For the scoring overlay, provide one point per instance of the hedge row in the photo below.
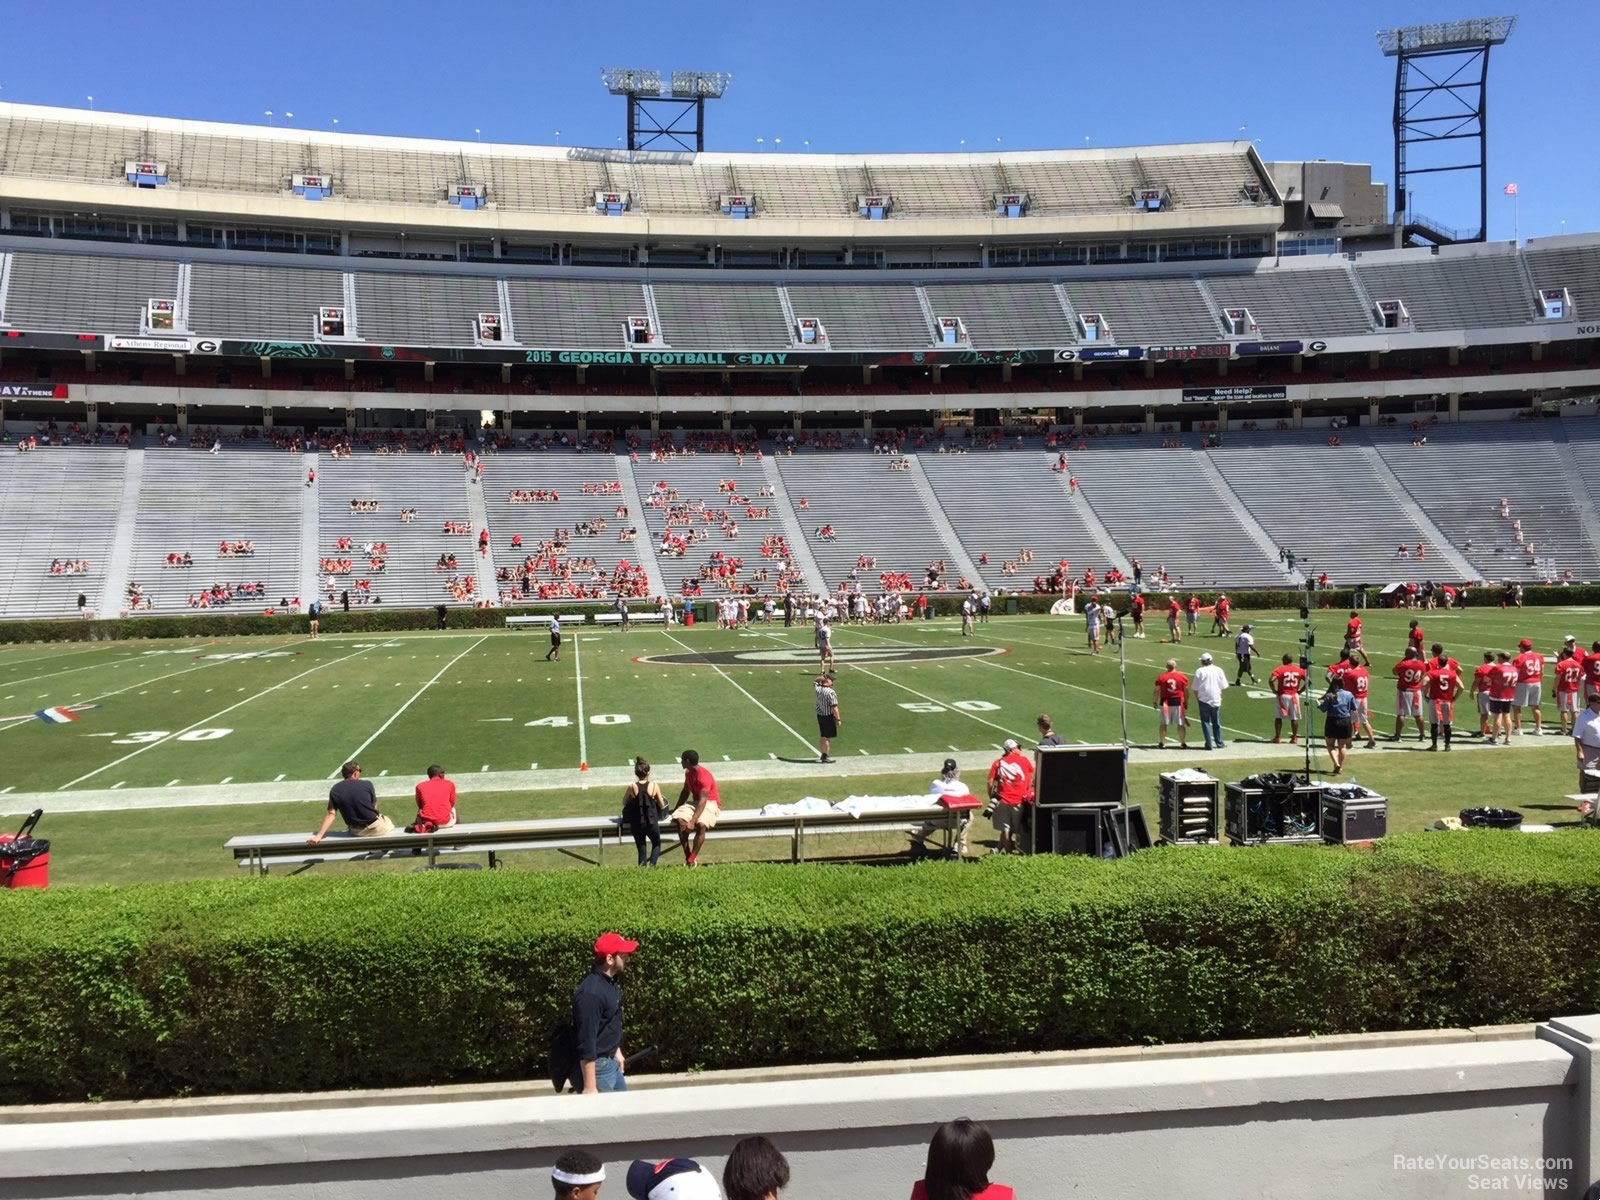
(371, 620)
(377, 981)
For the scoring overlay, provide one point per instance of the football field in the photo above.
(159, 726)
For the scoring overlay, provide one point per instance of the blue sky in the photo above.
(1307, 81)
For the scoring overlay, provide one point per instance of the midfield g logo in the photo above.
(805, 656)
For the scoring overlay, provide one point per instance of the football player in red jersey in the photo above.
(1414, 637)
(1410, 674)
(1569, 689)
(1172, 702)
(1287, 682)
(1352, 640)
(1444, 685)
(1173, 612)
(1482, 686)
(1530, 686)
(1502, 696)
(1358, 682)
(1591, 670)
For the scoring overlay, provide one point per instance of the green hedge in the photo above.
(375, 981)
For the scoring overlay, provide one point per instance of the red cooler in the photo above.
(25, 859)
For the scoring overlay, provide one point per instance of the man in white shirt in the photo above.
(1244, 645)
(948, 784)
(1210, 681)
(1586, 735)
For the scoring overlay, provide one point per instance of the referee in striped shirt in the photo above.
(827, 714)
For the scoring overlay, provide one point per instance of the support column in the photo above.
(1077, 420)
(1222, 417)
(266, 368)
(1149, 420)
(1149, 369)
(91, 416)
(866, 425)
(1222, 367)
(655, 425)
(505, 372)
(1455, 356)
(180, 364)
(1538, 351)
(349, 370)
(937, 375)
(1297, 416)
(427, 372)
(266, 416)
(350, 420)
(1005, 372)
(1455, 406)
(727, 422)
(183, 419)
(1372, 411)
(430, 421)
(1297, 365)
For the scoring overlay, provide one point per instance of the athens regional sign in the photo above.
(806, 656)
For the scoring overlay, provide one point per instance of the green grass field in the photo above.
(189, 743)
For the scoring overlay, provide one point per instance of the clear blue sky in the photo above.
(1308, 81)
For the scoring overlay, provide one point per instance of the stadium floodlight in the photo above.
(670, 116)
(687, 85)
(1446, 35)
(1441, 114)
(632, 81)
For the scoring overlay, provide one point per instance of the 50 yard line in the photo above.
(583, 735)
(401, 710)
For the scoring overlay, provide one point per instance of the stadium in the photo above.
(307, 437)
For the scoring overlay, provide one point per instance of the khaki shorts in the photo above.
(684, 815)
(382, 827)
(1007, 817)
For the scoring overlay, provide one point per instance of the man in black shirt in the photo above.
(354, 799)
(1047, 732)
(597, 1016)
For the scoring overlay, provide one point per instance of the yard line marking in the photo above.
(908, 749)
(172, 783)
(385, 771)
(485, 767)
(3, 791)
(417, 695)
(114, 786)
(226, 779)
(798, 735)
(770, 754)
(533, 766)
(862, 752)
(205, 721)
(727, 758)
(583, 735)
(279, 779)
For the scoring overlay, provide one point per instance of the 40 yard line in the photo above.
(583, 736)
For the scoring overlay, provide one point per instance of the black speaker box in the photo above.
(1064, 775)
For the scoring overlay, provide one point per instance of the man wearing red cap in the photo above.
(1530, 685)
(597, 1016)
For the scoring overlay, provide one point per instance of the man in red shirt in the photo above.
(1336, 673)
(1414, 638)
(1172, 702)
(1287, 682)
(698, 807)
(1569, 688)
(1591, 670)
(1011, 785)
(1410, 674)
(1444, 685)
(1482, 686)
(1192, 611)
(1502, 696)
(436, 802)
(1173, 612)
(1220, 624)
(1138, 614)
(1530, 686)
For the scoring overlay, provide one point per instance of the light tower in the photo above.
(674, 113)
(1441, 108)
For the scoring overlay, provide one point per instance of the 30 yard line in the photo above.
(204, 721)
(401, 710)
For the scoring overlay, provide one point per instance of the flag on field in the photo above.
(1511, 189)
(59, 715)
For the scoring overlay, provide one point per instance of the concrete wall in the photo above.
(1447, 1114)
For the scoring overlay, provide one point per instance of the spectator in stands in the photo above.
(755, 1170)
(577, 1175)
(597, 1017)
(436, 802)
(642, 807)
(698, 807)
(674, 1179)
(354, 799)
(960, 1157)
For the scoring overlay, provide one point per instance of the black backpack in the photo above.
(563, 1056)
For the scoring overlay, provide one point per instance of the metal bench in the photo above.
(260, 852)
(641, 618)
(542, 620)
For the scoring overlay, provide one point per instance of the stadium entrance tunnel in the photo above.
(806, 655)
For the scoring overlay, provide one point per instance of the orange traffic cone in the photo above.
(583, 767)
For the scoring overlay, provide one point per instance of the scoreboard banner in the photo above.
(1226, 395)
(34, 391)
